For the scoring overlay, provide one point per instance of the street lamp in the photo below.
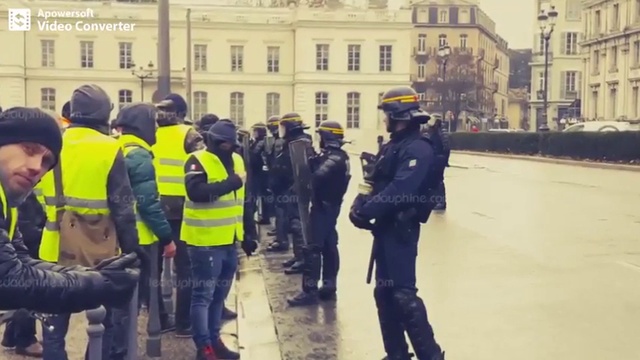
(142, 74)
(547, 22)
(443, 53)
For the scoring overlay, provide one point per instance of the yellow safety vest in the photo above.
(169, 159)
(220, 222)
(9, 211)
(86, 160)
(145, 234)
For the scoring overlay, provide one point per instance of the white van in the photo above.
(597, 126)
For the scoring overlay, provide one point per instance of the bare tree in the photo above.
(458, 89)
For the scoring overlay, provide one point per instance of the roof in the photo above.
(448, 2)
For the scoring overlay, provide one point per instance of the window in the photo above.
(125, 97)
(273, 60)
(570, 43)
(443, 16)
(322, 57)
(615, 17)
(86, 54)
(636, 52)
(594, 103)
(353, 110)
(596, 62)
(386, 57)
(613, 103)
(200, 104)
(353, 58)
(236, 110)
(635, 102)
(442, 40)
(422, 42)
(273, 104)
(541, 80)
(541, 44)
(598, 22)
(570, 81)
(613, 59)
(322, 107)
(237, 58)
(637, 13)
(126, 59)
(48, 99)
(573, 10)
(422, 70)
(463, 41)
(48, 53)
(199, 57)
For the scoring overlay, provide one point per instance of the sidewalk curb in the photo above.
(548, 160)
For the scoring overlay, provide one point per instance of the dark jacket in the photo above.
(31, 221)
(138, 120)
(331, 176)
(173, 205)
(42, 286)
(120, 198)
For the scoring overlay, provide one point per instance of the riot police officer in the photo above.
(259, 172)
(268, 157)
(291, 128)
(331, 175)
(441, 151)
(402, 172)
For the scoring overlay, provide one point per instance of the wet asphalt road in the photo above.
(531, 261)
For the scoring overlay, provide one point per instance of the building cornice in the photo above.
(628, 31)
(586, 4)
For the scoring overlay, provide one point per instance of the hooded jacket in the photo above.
(90, 108)
(139, 121)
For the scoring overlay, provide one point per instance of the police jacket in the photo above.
(281, 179)
(401, 177)
(41, 286)
(441, 149)
(331, 175)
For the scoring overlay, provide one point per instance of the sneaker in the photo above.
(228, 314)
(167, 325)
(223, 353)
(184, 333)
(206, 353)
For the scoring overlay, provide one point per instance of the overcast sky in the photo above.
(514, 20)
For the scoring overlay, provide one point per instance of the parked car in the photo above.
(597, 126)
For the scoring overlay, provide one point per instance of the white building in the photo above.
(248, 63)
(612, 48)
(565, 64)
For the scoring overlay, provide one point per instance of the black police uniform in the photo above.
(330, 180)
(402, 173)
(248, 222)
(442, 151)
(287, 213)
(259, 173)
(268, 157)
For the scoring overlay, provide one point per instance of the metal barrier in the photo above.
(95, 330)
(167, 285)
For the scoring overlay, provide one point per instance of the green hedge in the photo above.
(623, 146)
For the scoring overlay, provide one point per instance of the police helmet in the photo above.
(331, 133)
(259, 129)
(272, 124)
(401, 104)
(292, 121)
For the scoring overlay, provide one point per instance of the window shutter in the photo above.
(563, 84)
(578, 84)
(563, 43)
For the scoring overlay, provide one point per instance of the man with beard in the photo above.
(138, 127)
(30, 145)
(212, 225)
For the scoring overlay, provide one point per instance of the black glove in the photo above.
(120, 278)
(249, 246)
(360, 222)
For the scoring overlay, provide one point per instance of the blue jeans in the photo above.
(212, 272)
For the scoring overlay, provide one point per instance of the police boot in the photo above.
(296, 268)
(289, 263)
(392, 332)
(278, 247)
(400, 357)
(328, 290)
(304, 299)
(413, 315)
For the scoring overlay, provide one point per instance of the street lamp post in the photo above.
(547, 22)
(443, 53)
(142, 74)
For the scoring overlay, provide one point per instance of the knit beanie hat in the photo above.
(31, 125)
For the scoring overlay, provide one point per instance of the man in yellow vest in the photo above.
(137, 124)
(91, 213)
(212, 224)
(30, 145)
(175, 140)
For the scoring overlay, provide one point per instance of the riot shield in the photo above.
(269, 141)
(299, 151)
(246, 155)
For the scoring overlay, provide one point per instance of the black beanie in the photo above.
(22, 125)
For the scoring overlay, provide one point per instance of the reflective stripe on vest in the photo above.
(11, 212)
(86, 160)
(220, 222)
(145, 234)
(169, 159)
